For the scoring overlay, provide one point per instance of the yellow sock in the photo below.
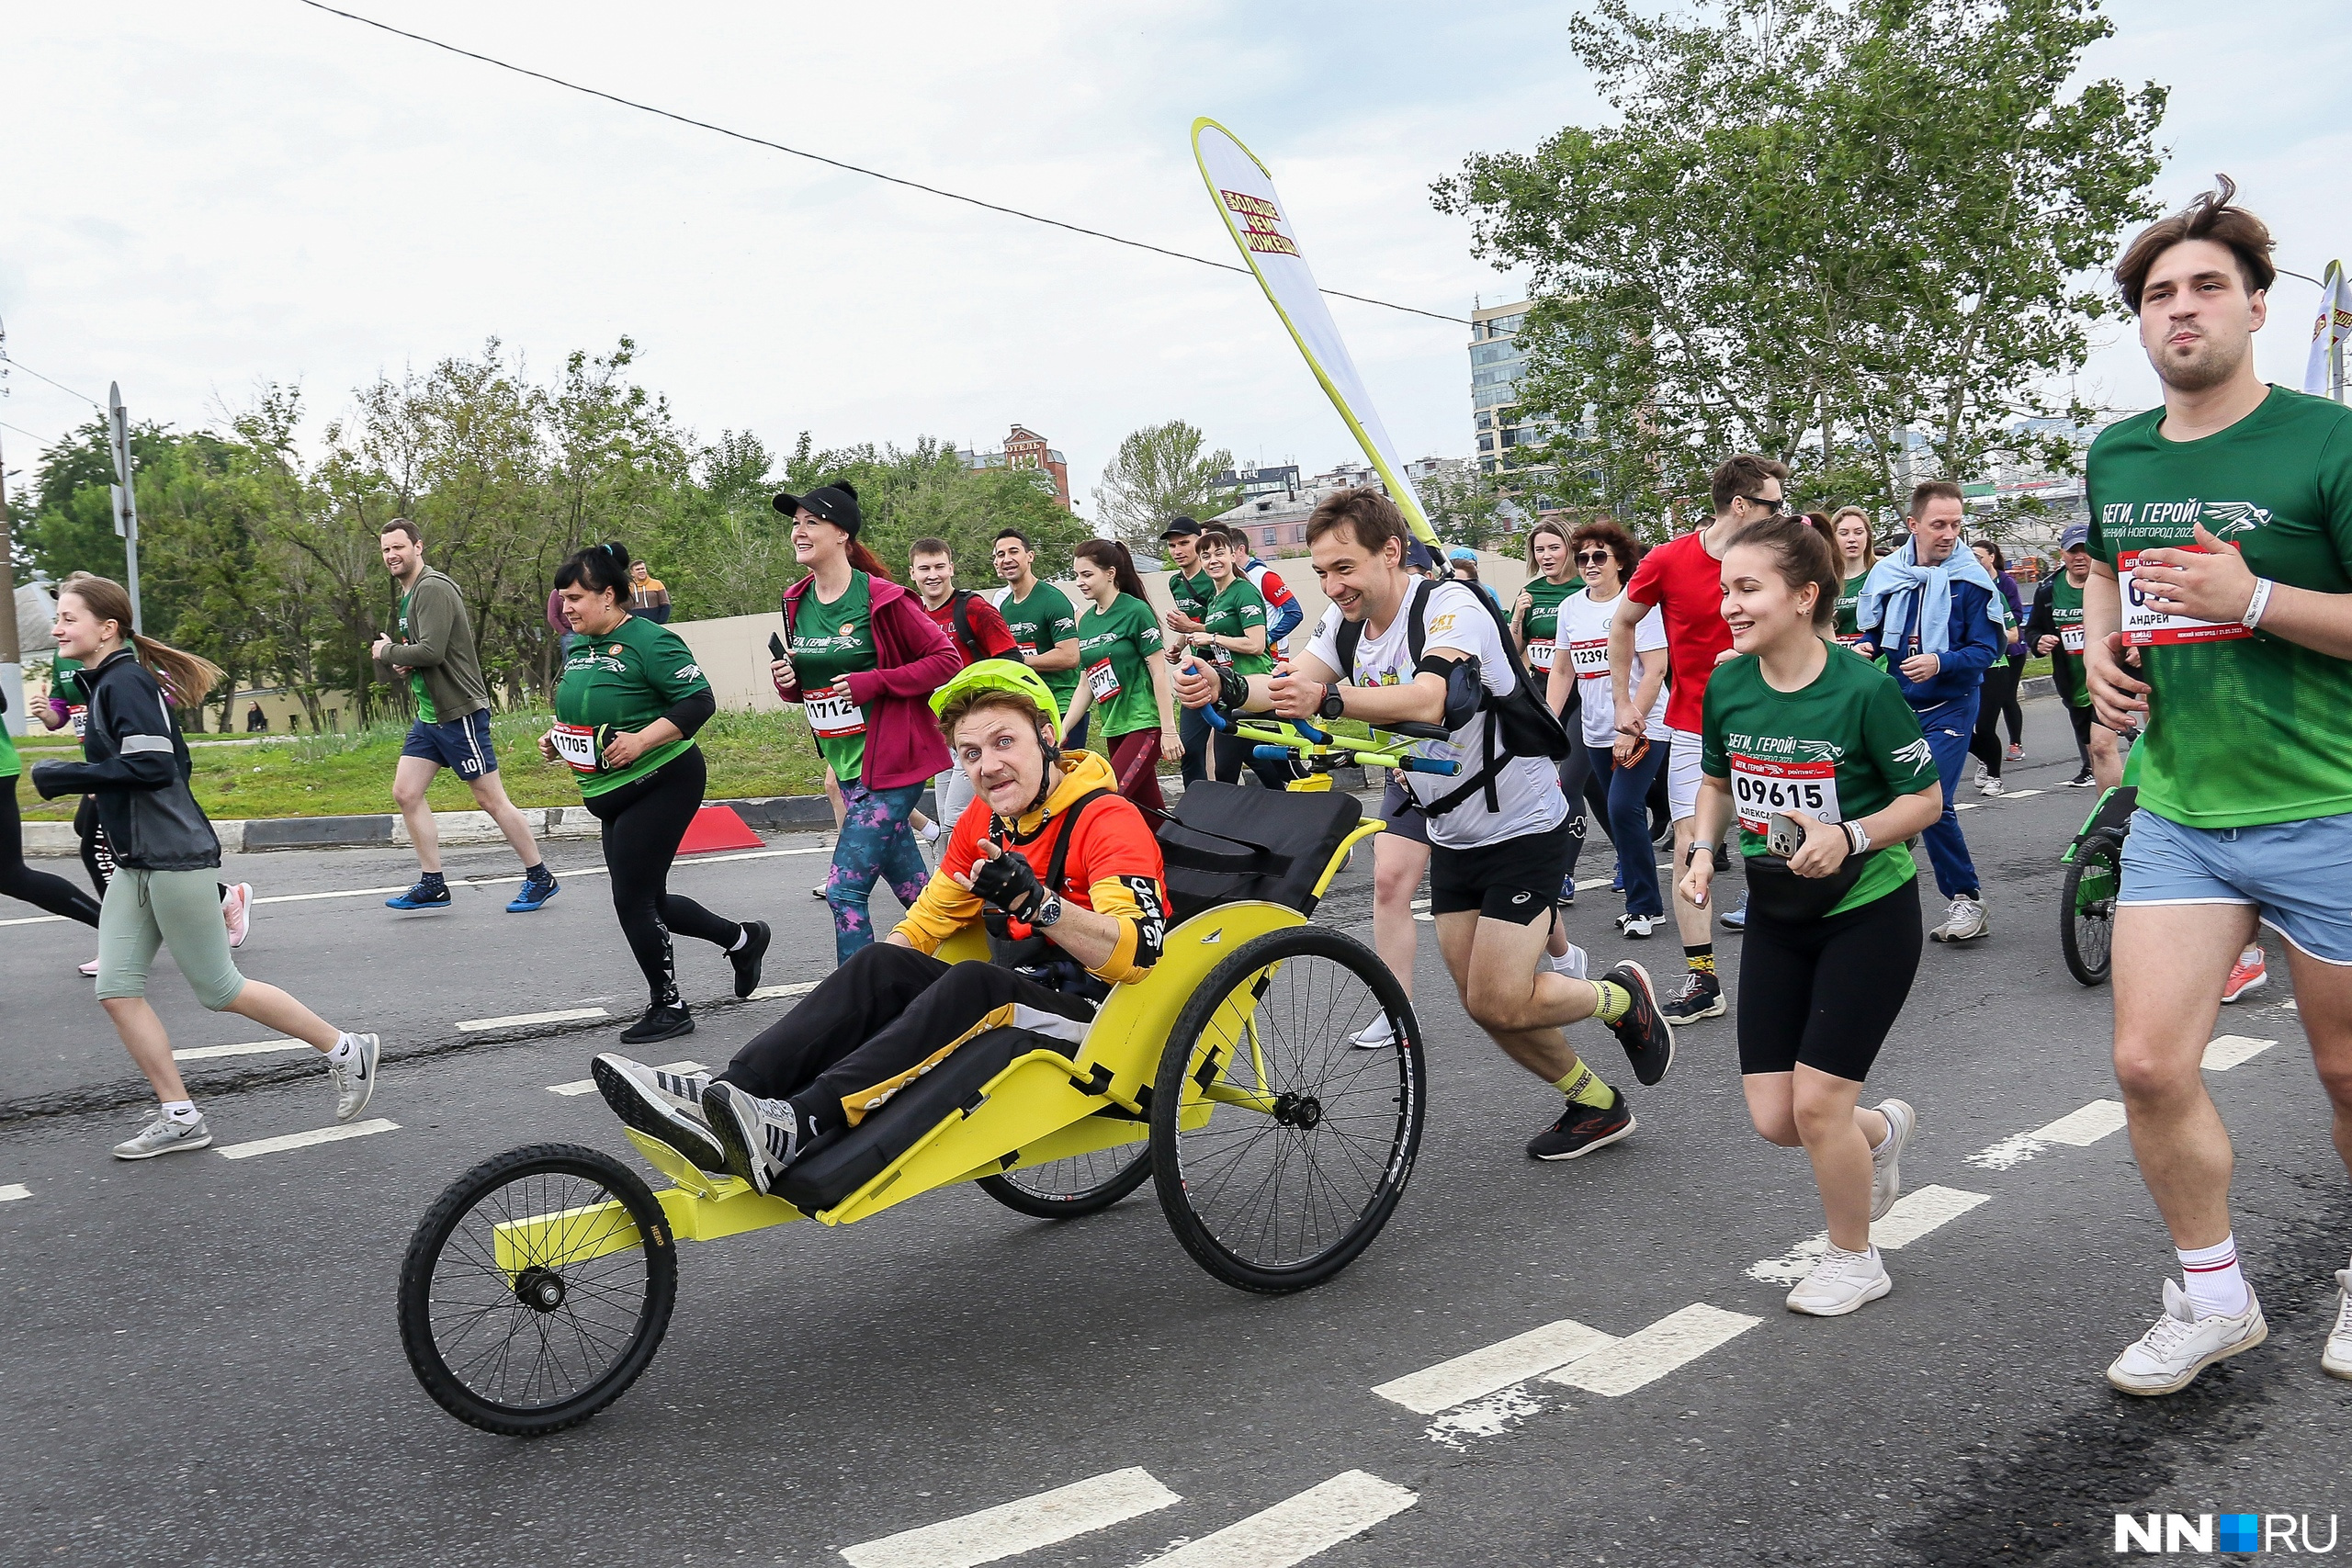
(1614, 1001)
(1584, 1086)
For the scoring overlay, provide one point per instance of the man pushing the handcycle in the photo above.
(1067, 878)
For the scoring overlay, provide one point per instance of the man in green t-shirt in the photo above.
(1189, 585)
(2218, 617)
(2054, 627)
(1041, 620)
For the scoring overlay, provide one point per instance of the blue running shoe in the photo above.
(1736, 919)
(538, 889)
(429, 894)
(1617, 882)
(1567, 898)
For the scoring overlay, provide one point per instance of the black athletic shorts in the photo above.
(1826, 992)
(1513, 880)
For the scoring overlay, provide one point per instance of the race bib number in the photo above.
(576, 744)
(2146, 627)
(1852, 639)
(1539, 654)
(833, 715)
(80, 719)
(2071, 637)
(1760, 787)
(1589, 659)
(1102, 681)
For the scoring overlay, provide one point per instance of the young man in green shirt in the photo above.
(1189, 585)
(2055, 627)
(1042, 620)
(2227, 513)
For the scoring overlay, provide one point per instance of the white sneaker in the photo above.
(2180, 1344)
(1980, 774)
(1988, 785)
(1886, 1160)
(165, 1135)
(354, 1081)
(1839, 1284)
(237, 909)
(1378, 1035)
(1964, 922)
(2336, 1359)
(91, 968)
(1638, 928)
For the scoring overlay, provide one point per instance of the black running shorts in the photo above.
(1514, 880)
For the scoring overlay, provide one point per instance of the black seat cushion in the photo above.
(838, 1165)
(1226, 843)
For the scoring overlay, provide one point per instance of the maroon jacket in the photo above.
(914, 658)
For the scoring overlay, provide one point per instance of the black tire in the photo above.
(1278, 1201)
(1065, 1189)
(462, 1315)
(2087, 907)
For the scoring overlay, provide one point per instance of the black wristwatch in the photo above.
(1334, 705)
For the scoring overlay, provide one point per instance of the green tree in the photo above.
(1465, 508)
(1158, 472)
(1812, 224)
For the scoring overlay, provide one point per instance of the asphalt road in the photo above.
(198, 1361)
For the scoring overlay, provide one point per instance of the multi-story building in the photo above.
(1496, 365)
(1025, 448)
(1259, 484)
(1275, 521)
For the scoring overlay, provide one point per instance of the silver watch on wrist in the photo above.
(1048, 911)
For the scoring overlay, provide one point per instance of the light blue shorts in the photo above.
(2295, 876)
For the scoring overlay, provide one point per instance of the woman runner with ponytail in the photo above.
(1121, 675)
(162, 893)
(862, 660)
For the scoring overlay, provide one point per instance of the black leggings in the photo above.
(1230, 754)
(17, 880)
(1824, 993)
(643, 821)
(2013, 711)
(2000, 696)
(97, 855)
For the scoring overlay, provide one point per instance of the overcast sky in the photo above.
(198, 198)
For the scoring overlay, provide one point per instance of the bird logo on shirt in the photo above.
(2225, 518)
(1918, 754)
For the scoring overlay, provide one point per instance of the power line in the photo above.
(837, 163)
(8, 359)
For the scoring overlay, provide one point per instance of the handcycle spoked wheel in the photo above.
(1065, 1189)
(537, 1288)
(1279, 1146)
(2087, 906)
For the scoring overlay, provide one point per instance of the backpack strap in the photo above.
(962, 617)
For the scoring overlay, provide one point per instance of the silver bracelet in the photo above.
(2258, 605)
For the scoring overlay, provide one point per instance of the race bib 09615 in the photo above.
(1759, 787)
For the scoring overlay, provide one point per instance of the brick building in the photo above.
(1025, 448)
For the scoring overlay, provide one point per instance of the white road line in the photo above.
(2228, 1050)
(1913, 1216)
(1967, 804)
(304, 1140)
(1297, 1528)
(1478, 1373)
(2018, 794)
(250, 1048)
(2079, 1129)
(14, 1190)
(588, 1086)
(1648, 1354)
(768, 993)
(1021, 1525)
(516, 1020)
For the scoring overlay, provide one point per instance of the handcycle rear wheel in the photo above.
(2087, 907)
(1310, 1138)
(555, 1329)
(1065, 1189)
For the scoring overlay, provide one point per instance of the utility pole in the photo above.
(126, 499)
(12, 666)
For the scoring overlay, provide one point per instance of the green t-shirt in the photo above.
(425, 712)
(829, 641)
(2066, 615)
(1542, 623)
(2244, 728)
(1843, 747)
(623, 680)
(66, 682)
(1038, 623)
(1231, 614)
(1115, 651)
(1191, 593)
(1849, 597)
(10, 766)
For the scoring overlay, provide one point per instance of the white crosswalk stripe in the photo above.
(2077, 1128)
(1022, 1525)
(284, 1141)
(2228, 1050)
(1648, 1354)
(14, 1190)
(1495, 1367)
(518, 1020)
(1297, 1528)
(1913, 1216)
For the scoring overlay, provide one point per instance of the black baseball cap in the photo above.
(1180, 527)
(836, 503)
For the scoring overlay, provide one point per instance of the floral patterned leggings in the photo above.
(877, 843)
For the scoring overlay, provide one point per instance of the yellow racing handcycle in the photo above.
(538, 1286)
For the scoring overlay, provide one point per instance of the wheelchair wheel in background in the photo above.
(524, 1330)
(1310, 1137)
(1065, 1189)
(2087, 907)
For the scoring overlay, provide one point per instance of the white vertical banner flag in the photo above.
(2324, 374)
(1262, 226)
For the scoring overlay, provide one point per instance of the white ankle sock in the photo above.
(180, 1109)
(345, 1047)
(1573, 963)
(742, 935)
(2216, 1287)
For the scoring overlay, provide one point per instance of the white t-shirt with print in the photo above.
(1526, 788)
(1584, 633)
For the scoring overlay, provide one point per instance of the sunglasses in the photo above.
(1594, 557)
(1769, 508)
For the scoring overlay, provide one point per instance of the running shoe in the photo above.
(2083, 780)
(1648, 1039)
(1735, 920)
(1990, 786)
(538, 885)
(2336, 1359)
(165, 1135)
(1964, 922)
(2016, 752)
(1702, 997)
(2180, 1344)
(2245, 978)
(1638, 928)
(1841, 1282)
(91, 968)
(758, 1136)
(748, 957)
(1567, 898)
(423, 895)
(236, 908)
(354, 1081)
(1582, 1129)
(663, 1020)
(819, 891)
(662, 1105)
(1981, 773)
(1886, 1160)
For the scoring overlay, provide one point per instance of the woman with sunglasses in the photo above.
(1624, 765)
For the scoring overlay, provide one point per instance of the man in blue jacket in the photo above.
(1931, 612)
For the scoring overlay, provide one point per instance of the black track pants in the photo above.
(643, 821)
(37, 889)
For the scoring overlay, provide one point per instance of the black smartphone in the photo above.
(775, 646)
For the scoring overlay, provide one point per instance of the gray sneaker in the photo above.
(354, 1081)
(1964, 922)
(164, 1136)
(1886, 1160)
(661, 1104)
(759, 1136)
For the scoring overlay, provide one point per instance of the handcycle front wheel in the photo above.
(1309, 1136)
(2087, 907)
(1065, 1189)
(536, 1288)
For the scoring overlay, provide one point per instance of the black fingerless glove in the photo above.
(1009, 883)
(1232, 690)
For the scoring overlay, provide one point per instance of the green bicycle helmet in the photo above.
(1001, 675)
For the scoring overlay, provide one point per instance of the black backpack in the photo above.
(1520, 722)
(973, 653)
